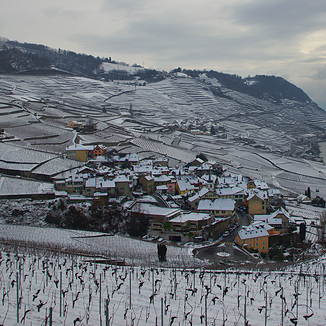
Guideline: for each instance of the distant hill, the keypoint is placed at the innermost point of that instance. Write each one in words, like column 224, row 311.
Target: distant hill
column 17, row 58
column 27, row 58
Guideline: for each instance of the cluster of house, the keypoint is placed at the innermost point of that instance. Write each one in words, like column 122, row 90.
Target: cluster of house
column 188, row 203
column 257, row 234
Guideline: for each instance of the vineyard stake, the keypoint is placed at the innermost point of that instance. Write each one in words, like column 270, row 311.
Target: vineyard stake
column 266, row 308
column 100, row 294
column 245, row 309
column 60, row 295
column 17, row 295
column 130, row 289
column 206, row 309
column 106, row 312
column 319, row 289
column 282, row 315
column 50, row 317
column 162, row 324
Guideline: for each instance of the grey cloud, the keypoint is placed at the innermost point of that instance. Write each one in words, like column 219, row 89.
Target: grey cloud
column 279, row 18
column 63, row 13
column 320, row 74
column 124, row 5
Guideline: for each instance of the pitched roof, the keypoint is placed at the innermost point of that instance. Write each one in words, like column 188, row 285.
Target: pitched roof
column 148, row 209
column 219, row 204
column 200, row 194
column 252, row 231
column 78, row 147
column 185, row 185
column 191, row 217
column 258, row 193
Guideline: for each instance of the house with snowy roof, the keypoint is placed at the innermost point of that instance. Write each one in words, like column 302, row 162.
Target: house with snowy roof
column 123, row 185
column 278, row 219
column 219, row 207
column 183, row 187
column 209, row 181
column 79, row 152
column 129, row 159
column 257, row 184
column 185, row 227
column 75, row 184
column 161, row 161
column 203, row 193
column 83, row 153
column 157, row 216
column 254, row 236
column 97, row 152
column 235, row 193
column 99, row 185
column 257, row 202
column 147, row 183
column 143, row 169
column 75, row 125
column 162, row 180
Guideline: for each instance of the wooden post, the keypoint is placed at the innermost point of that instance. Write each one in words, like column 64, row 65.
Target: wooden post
column 245, row 310
column 162, row 324
column 266, row 308
column 194, row 282
column 152, row 280
column 319, row 289
column 130, row 289
column 175, row 284
column 297, row 304
column 206, row 309
column 307, row 285
column 100, row 300
column 46, row 272
column 60, row 295
column 106, row 312
column 282, row 312
column 17, row 297
column 50, row 317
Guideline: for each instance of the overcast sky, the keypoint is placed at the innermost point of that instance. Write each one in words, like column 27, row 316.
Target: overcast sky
column 245, row 37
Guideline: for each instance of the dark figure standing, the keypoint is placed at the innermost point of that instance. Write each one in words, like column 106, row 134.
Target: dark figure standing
column 161, row 251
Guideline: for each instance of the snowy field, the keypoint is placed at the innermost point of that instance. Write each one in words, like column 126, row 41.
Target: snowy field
column 39, row 287
column 17, row 186
column 113, row 247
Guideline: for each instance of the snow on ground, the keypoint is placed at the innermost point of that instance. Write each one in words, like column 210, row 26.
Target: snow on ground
column 18, row 186
column 114, row 247
column 13, row 154
column 162, row 149
column 116, row 66
column 81, row 290
column 57, row 165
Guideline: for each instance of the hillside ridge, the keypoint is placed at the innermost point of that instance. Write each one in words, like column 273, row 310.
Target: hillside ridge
column 28, row 58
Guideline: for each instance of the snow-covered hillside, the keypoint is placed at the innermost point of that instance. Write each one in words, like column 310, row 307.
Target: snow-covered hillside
column 254, row 137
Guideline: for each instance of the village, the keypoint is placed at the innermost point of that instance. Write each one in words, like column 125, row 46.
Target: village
column 195, row 203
